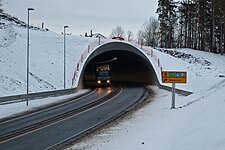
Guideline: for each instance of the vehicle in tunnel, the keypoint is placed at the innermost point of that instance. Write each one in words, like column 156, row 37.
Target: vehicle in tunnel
column 131, row 66
column 103, row 75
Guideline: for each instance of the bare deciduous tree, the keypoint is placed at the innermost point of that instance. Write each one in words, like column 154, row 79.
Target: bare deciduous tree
column 151, row 29
column 140, row 36
column 129, row 35
column 118, row 32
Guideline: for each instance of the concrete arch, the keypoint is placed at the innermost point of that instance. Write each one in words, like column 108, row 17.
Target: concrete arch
column 132, row 65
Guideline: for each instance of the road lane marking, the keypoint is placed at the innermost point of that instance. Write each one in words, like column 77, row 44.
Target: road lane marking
column 46, row 109
column 10, row 139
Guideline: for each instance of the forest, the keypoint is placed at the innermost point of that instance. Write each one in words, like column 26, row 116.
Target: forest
column 197, row 24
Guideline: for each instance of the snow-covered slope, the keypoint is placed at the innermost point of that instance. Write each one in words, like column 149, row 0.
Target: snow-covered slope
column 204, row 69
column 46, row 59
column 198, row 122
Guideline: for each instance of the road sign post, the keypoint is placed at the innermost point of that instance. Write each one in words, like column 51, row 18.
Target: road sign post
column 174, row 77
column 173, row 96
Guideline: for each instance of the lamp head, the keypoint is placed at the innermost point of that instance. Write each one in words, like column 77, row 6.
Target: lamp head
column 30, row 9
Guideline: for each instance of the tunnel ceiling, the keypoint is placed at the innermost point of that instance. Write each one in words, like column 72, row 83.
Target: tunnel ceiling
column 131, row 65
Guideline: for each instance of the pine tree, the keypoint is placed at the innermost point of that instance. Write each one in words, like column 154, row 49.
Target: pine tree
column 167, row 17
column 219, row 25
column 196, row 23
column 201, row 24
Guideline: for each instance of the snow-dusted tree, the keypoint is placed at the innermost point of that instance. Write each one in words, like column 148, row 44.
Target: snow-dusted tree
column 129, row 35
column 140, row 36
column 118, row 31
column 151, row 29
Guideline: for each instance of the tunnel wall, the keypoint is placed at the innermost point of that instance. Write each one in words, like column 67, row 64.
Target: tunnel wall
column 142, row 71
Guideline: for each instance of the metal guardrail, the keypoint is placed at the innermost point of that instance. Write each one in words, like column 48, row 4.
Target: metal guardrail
column 32, row 96
column 178, row 91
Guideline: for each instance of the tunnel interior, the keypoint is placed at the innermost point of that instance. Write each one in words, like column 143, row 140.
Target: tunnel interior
column 129, row 68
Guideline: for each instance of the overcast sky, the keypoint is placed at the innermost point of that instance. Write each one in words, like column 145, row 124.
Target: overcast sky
column 84, row 15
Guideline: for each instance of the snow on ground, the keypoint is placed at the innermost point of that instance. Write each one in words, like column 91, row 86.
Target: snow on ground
column 200, row 66
column 46, row 59
column 199, row 126
column 197, row 123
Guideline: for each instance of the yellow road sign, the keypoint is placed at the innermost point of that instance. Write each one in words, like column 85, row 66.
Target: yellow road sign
column 174, row 77
column 174, row 80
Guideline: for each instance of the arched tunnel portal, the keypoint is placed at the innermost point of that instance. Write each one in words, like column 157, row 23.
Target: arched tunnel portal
column 131, row 66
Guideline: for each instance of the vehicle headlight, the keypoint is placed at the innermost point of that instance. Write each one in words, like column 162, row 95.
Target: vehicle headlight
column 99, row 82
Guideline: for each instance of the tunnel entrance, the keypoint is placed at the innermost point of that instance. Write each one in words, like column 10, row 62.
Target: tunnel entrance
column 129, row 68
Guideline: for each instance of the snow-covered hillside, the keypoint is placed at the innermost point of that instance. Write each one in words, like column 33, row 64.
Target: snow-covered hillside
column 197, row 123
column 204, row 68
column 46, row 59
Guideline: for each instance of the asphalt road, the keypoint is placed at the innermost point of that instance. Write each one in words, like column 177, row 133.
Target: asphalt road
column 70, row 127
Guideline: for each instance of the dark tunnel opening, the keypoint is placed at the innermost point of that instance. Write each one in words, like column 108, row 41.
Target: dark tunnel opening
column 128, row 68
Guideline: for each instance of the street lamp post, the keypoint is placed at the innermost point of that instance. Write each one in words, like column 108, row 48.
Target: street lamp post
column 28, row 45
column 65, row 55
